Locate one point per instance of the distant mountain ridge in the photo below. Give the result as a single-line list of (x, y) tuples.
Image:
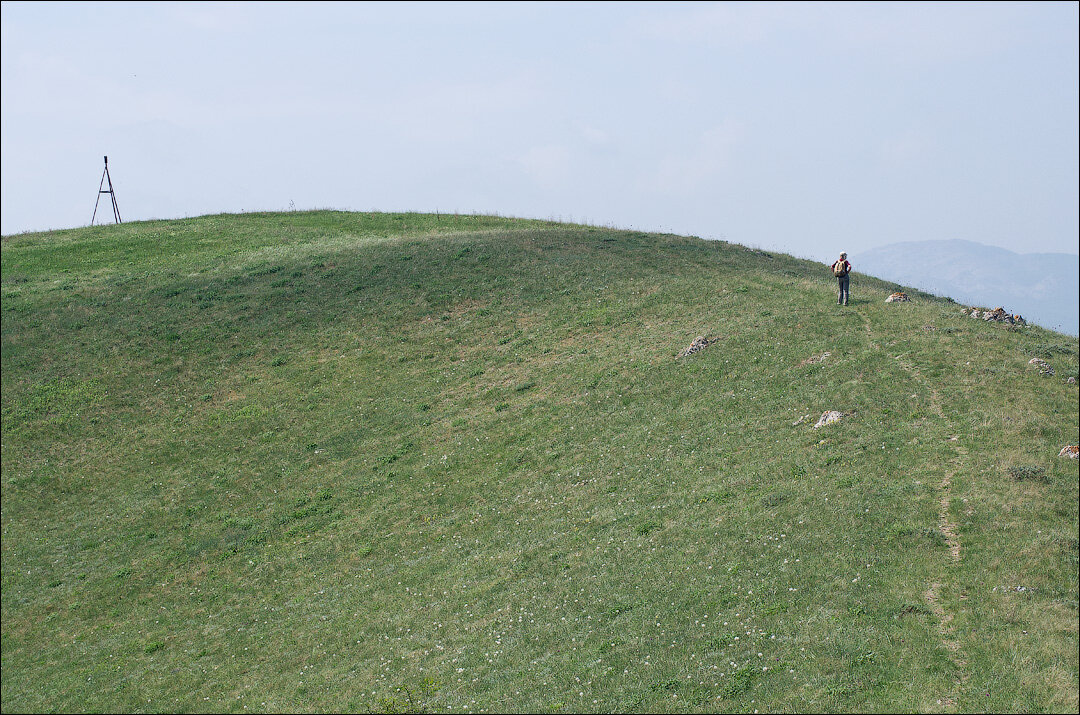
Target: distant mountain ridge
[(1043, 287)]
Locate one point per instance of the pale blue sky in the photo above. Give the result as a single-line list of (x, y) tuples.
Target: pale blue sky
[(806, 128)]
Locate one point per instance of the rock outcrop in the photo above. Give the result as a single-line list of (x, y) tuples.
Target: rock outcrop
[(1042, 366), (699, 344), (898, 298), (997, 315), (828, 418), (1070, 450)]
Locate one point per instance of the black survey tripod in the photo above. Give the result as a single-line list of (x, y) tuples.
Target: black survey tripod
[(112, 194)]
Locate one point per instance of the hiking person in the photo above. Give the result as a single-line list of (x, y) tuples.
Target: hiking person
[(842, 269)]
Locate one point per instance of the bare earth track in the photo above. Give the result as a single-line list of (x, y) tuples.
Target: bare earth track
[(933, 591)]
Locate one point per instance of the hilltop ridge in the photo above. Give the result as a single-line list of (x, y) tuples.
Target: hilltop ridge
[(400, 462)]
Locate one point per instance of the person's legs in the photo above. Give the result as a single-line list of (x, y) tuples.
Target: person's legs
[(847, 289), (842, 296)]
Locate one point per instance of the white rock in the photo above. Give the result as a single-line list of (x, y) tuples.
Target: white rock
[(828, 418), (1042, 366)]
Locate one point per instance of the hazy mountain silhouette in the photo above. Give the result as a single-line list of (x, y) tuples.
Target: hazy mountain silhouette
[(1042, 287)]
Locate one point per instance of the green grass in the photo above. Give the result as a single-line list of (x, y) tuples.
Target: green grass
[(323, 461)]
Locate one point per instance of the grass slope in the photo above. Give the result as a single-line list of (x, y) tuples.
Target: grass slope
[(388, 462)]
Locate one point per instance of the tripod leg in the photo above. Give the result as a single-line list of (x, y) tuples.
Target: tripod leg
[(102, 183)]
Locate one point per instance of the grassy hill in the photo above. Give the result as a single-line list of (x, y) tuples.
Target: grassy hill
[(387, 462)]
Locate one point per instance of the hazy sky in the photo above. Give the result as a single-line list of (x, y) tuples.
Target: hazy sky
[(806, 128)]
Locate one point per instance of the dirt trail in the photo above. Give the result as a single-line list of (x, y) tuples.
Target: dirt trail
[(946, 526)]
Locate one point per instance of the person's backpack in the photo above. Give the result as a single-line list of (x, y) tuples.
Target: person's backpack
[(839, 268)]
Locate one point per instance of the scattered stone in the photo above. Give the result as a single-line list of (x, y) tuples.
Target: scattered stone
[(828, 418), (799, 421), (699, 344), (1070, 450), (816, 359), (898, 298), (997, 315), (1070, 380), (1042, 366)]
